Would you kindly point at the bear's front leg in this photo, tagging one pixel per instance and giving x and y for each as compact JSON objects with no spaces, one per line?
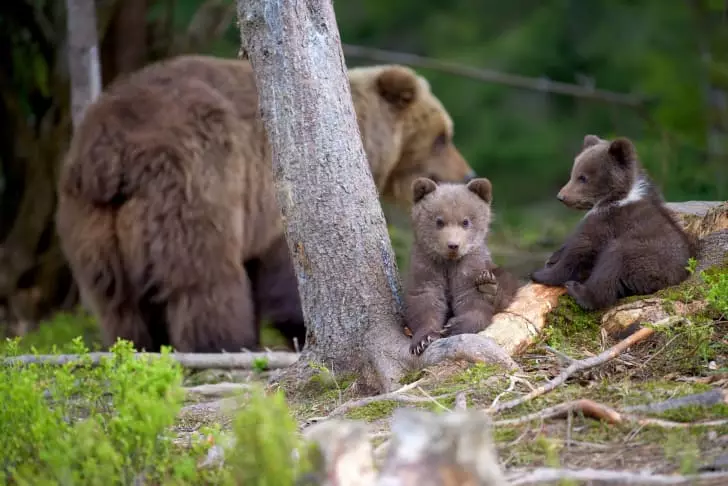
{"x":572,"y":259}
{"x":425,"y":316}
{"x":601,"y":289}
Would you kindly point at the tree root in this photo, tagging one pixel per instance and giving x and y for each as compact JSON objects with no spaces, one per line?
{"x":473,"y":348}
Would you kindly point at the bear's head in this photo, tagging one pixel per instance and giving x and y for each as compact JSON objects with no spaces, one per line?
{"x":449,"y":220}
{"x":604,"y":173}
{"x":406,"y":131}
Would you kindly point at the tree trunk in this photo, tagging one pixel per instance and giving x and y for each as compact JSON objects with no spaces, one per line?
{"x":83,"y":56}
{"x":335,"y":227}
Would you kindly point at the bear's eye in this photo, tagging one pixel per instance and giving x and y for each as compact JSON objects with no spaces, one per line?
{"x":439,"y":222}
{"x":466,"y":223}
{"x":440,"y":141}
{"x":581,"y":178}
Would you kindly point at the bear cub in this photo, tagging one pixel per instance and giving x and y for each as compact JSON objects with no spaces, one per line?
{"x":449,"y":259}
{"x":628,"y":242}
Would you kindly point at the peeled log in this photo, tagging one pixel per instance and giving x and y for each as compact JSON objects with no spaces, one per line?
{"x":516,"y":328}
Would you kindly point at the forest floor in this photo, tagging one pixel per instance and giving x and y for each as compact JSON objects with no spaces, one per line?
{"x":686,"y":360}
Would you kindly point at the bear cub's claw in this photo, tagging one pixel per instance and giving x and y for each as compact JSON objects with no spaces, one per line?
{"x":487,"y":284}
{"x":420,"y":343}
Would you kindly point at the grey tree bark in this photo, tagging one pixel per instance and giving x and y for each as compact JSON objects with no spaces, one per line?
{"x":335,"y":227}
{"x":83,"y":56}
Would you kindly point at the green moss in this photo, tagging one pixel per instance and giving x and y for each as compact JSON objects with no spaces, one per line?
{"x":411,"y":377}
{"x":571,"y":328}
{"x":373,"y":411}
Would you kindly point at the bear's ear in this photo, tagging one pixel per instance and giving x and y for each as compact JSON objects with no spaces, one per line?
{"x":589,"y":141}
{"x":482,"y":188}
{"x":622,"y":151}
{"x":421,"y":187}
{"x":398,"y":86}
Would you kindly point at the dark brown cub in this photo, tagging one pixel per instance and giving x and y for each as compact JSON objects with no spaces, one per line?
{"x":628,"y":242}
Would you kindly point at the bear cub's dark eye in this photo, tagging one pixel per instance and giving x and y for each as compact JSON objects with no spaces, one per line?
{"x":466,"y":223}
{"x":440,"y":141}
{"x":581,"y":179}
{"x":439,"y":222}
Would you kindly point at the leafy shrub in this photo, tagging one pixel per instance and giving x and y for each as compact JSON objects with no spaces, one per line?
{"x":80,"y":424}
{"x":83,"y":424}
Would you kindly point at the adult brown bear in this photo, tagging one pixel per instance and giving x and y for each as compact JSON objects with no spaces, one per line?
{"x":167,"y":211}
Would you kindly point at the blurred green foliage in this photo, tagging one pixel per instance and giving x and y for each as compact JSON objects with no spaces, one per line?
{"x":525,"y":140}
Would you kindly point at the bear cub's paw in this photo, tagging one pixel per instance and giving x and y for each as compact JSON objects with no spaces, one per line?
{"x":487,"y":284}
{"x":580,"y":294}
{"x":422,"y":339}
{"x":461,"y":325}
{"x":543,"y":276}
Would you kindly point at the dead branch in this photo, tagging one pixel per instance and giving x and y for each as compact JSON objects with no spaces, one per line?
{"x":197,"y":361}
{"x":450,"y":448}
{"x":216,"y":389}
{"x":706,"y":399}
{"x":491,"y":76}
{"x":598,"y":411}
{"x":549,"y":475}
{"x":583,"y":364}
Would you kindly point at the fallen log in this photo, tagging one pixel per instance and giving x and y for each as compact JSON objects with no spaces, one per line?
{"x":198,"y":361}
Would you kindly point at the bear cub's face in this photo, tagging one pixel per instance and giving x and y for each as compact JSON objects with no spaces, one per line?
{"x":449,"y":219}
{"x":603,"y":172}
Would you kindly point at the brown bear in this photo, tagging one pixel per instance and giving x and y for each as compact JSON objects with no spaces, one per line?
{"x":628,"y":242}
{"x":167,"y":211}
{"x":449,"y":255}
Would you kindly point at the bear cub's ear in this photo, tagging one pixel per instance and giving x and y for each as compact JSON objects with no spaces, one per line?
{"x":421,"y":187}
{"x":482,"y":188}
{"x":590,"y":140}
{"x":397,"y":85}
{"x":622,"y":151}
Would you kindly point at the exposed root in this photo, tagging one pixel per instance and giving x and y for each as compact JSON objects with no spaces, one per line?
{"x":469,"y":347}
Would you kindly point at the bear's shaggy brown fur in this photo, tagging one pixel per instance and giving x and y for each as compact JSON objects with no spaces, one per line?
{"x":628,"y":243}
{"x":167,"y":210}
{"x":449,"y":253}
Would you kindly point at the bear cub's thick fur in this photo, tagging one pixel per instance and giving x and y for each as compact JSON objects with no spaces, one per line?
{"x":449,"y":255}
{"x":628,"y":243}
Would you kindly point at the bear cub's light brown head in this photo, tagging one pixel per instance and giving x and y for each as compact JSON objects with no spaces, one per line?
{"x":450,"y":220}
{"x":605,"y":173}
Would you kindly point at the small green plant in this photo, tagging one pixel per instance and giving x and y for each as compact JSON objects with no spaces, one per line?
{"x":717,"y":293}
{"x":268,"y":450}
{"x":260,"y":364}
